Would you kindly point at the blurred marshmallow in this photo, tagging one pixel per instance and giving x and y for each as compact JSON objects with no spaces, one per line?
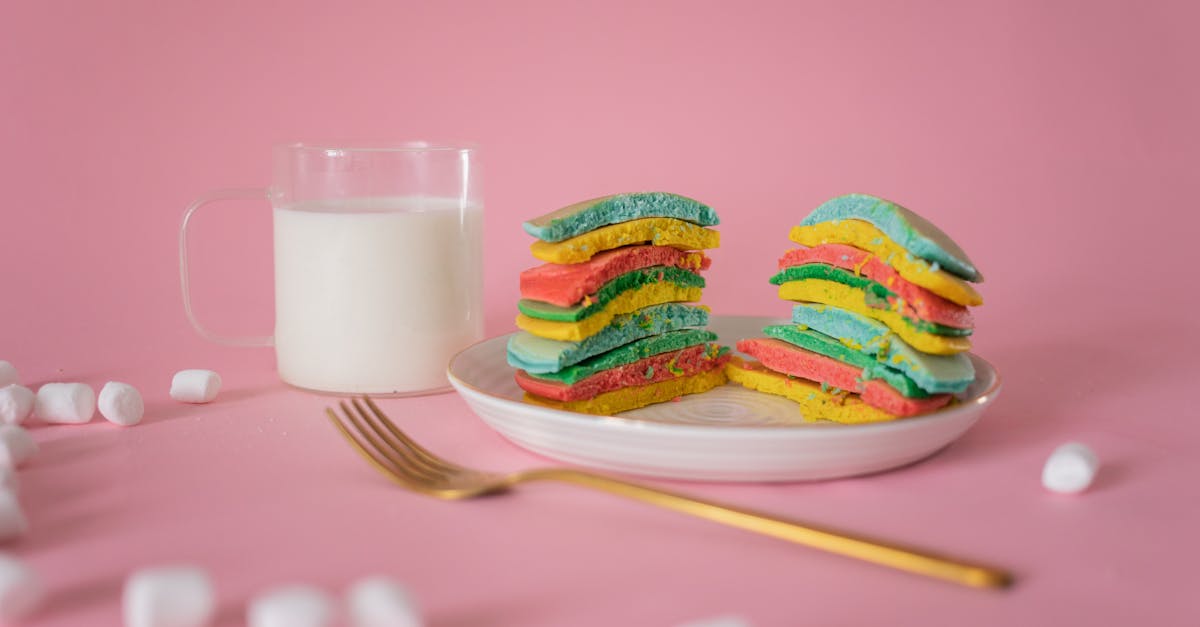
{"x":1070,"y":469}
{"x":16,"y":446}
{"x":21,"y":590}
{"x":168,"y":596}
{"x":195,"y":386}
{"x":12,"y":520}
{"x":121,"y":403}
{"x":381,"y":602}
{"x":8,"y":374}
{"x":291,"y":606}
{"x":8,"y":479}
{"x":69,"y":403}
{"x":16,"y":403}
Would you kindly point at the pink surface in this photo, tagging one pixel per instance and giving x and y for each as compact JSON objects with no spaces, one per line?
{"x":1047,"y":138}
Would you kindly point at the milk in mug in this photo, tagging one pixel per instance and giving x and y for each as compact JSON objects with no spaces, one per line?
{"x":375,"y":295}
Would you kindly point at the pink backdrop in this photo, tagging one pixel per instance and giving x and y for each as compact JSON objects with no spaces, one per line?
{"x":1053,"y":140}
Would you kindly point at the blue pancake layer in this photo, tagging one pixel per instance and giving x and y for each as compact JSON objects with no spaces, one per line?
{"x":586,"y":216}
{"x":538,"y":355}
{"x":912,"y":232}
{"x":933,"y":373}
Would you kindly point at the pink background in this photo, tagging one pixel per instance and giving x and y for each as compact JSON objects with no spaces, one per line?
{"x":1053,"y":140}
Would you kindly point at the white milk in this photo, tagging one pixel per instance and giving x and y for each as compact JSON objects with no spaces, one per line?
{"x":375,"y":295}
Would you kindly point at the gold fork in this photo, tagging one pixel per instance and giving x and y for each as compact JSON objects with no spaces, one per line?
{"x":412,"y":466}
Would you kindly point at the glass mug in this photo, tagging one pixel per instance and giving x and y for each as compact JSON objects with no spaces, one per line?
{"x":378,"y":264}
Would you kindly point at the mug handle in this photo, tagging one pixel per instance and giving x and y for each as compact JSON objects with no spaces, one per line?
{"x":220,"y":194}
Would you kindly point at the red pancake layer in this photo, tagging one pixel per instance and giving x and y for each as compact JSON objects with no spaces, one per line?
{"x":680,"y":363}
{"x":790,"y":359}
{"x":566,"y":285}
{"x":919,"y":302}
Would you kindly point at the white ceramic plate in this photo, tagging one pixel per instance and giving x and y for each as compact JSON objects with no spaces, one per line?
{"x":727,"y":434}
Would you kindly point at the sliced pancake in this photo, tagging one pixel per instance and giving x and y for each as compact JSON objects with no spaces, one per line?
{"x":625,"y":283}
{"x":629,"y":353}
{"x":628,"y":398}
{"x":933,"y":373}
{"x":866,"y":367}
{"x":626,"y":302}
{"x":877,"y":295}
{"x":567,"y":285}
{"x":865,"y":236}
{"x":655,"y":231}
{"x":815,"y":403}
{"x":540,"y":355}
{"x":910,"y":231}
{"x":581,"y":217}
{"x":925,"y":304}
{"x":855,"y":300}
{"x":789,"y":359}
{"x":644,"y":371}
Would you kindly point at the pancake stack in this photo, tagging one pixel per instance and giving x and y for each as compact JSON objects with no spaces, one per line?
{"x":880,"y":329}
{"x":606,"y":324}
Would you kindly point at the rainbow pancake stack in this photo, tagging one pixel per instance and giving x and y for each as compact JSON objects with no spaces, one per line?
{"x":605,"y":323}
{"x":880,"y":329}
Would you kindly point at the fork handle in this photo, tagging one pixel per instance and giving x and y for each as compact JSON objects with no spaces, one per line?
{"x":842,"y":543}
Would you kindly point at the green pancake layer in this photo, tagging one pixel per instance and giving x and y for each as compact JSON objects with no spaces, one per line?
{"x":877,"y":294}
{"x":623,"y":283}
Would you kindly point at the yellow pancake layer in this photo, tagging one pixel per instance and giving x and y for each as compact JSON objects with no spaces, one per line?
{"x":656,"y":231}
{"x":625,"y":399}
{"x":815,"y":404}
{"x":855,"y":300}
{"x":626,"y":302}
{"x":864,"y":236}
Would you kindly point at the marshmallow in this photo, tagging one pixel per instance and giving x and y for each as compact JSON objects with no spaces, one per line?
{"x":16,"y":403}
{"x":21,"y":590}
{"x":8,"y":374}
{"x":70,"y":403}
{"x":195,"y":386}
{"x":291,"y":606}
{"x":381,"y":602}
{"x":1070,"y":469}
{"x":121,"y":403}
{"x":16,"y":446}
{"x":8,"y":479}
{"x":168,"y":596}
{"x":12,"y":519}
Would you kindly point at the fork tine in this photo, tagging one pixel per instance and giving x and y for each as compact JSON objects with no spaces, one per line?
{"x":419,"y":451}
{"x":366,"y":453}
{"x":402,"y":460}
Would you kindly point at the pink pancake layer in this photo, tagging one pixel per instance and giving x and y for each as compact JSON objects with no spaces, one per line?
{"x":566,"y":285}
{"x":789,"y":359}
{"x":919,"y":302}
{"x":687,"y":361}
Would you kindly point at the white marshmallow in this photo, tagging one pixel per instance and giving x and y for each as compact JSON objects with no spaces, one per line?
{"x":195,"y":386}
{"x":16,"y":446}
{"x":8,"y":374}
{"x":21,"y":589}
{"x":12,"y":520}
{"x":168,"y":596}
{"x":8,"y":479}
{"x":1070,"y":469}
{"x":68,"y":403}
{"x":291,"y":606}
{"x":121,"y":403}
{"x":16,"y":403}
{"x":381,"y":602}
